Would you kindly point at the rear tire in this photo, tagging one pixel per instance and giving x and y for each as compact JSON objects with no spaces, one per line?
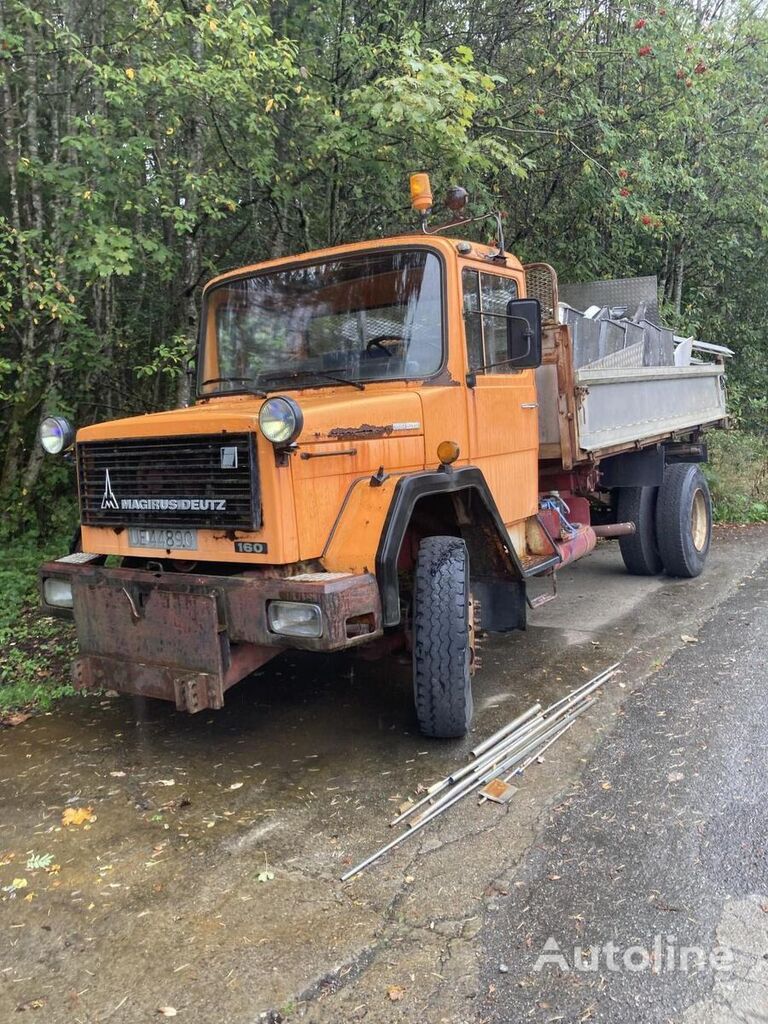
{"x":640,"y":551}
{"x":684,"y":520}
{"x":441,"y":638}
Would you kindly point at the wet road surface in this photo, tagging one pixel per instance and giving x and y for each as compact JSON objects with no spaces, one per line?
{"x":207,"y":879}
{"x":661,"y":845}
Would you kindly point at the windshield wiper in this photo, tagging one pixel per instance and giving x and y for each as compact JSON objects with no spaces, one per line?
{"x":235,"y":380}
{"x":295,"y":374}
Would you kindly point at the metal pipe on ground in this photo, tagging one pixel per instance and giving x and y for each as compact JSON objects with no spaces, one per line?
{"x":474,"y":783}
{"x":504,"y":731}
{"x":537,"y":753}
{"x":472,"y":766}
{"x":507,"y":739}
{"x":496,"y":770}
{"x":592,"y":684}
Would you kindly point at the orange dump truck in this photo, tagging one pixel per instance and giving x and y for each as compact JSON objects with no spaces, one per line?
{"x":389,"y":441}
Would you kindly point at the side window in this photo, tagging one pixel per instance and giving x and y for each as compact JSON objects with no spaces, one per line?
{"x":473,"y":327}
{"x":485,"y":318}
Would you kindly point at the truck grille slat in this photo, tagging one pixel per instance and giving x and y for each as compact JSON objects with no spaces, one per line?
{"x":191,"y":481}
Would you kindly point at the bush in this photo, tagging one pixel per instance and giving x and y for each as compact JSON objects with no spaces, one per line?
{"x":738,"y":476}
{"x":36,"y":651}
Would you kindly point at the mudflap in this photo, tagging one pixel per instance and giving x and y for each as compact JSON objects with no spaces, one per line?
{"x":185,"y":654}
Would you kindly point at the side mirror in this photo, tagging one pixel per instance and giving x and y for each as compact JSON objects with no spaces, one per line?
{"x":524,"y":332}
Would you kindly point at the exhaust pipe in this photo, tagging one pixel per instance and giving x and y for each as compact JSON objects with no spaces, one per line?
{"x":611,"y":530}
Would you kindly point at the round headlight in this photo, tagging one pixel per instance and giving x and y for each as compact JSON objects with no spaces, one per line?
{"x":56,"y":434}
{"x":281,"y":420}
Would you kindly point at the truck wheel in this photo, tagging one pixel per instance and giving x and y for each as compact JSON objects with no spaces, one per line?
{"x":640,"y":551}
{"x":684,"y":520}
{"x":441,"y":638}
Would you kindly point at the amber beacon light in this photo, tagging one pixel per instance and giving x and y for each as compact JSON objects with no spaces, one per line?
{"x":421,"y":193}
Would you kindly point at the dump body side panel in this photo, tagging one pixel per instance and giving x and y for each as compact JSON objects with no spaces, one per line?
{"x":623,"y":407}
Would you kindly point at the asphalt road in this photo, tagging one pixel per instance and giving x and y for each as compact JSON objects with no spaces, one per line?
{"x":662,"y":845}
{"x":193,"y":862}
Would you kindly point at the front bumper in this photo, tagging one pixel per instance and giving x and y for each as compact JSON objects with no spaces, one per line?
{"x":188,"y":637}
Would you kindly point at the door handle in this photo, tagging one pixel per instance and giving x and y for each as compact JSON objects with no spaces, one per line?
{"x":529,"y":405}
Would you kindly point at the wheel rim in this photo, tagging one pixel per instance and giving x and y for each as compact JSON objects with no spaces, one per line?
{"x":699,"y":521}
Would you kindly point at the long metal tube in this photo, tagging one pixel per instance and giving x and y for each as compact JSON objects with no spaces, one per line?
{"x":471,"y":766}
{"x":464,"y":789}
{"x":582,"y":691}
{"x":490,"y":764}
{"x":504,"y":745}
{"x":523,"y":725}
{"x":504,"y":731}
{"x":494,"y":770}
{"x":537,"y":753}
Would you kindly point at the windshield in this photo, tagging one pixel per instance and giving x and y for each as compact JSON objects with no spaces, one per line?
{"x":374,"y":316}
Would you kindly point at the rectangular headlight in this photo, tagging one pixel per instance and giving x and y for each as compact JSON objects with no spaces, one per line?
{"x":294,"y":618}
{"x":58,"y":593}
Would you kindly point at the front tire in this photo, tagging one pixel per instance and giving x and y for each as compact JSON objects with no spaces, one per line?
{"x":441,"y":638}
{"x":684,"y":520}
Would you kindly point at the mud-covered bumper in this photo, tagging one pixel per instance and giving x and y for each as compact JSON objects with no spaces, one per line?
{"x":187,"y":637}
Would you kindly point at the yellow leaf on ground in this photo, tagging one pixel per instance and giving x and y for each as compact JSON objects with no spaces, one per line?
{"x":15,"y":718}
{"x":77,"y":816}
{"x":395,"y":993}
{"x":19,"y":883}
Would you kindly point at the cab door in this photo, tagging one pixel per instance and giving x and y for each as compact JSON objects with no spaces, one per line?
{"x":501,"y":398}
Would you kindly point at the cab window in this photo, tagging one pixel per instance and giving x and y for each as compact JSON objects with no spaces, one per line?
{"x":486,"y":297}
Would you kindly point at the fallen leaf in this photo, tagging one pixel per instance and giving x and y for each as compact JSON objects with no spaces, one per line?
{"x":167,"y":1011}
{"x":395,"y":993}
{"x":688,"y":639}
{"x":265,"y":876}
{"x":17,"y":883}
{"x":36,"y":861}
{"x":77,"y":816}
{"x":606,"y":785}
{"x":33,"y":1004}
{"x":236,"y":785}
{"x":15,"y":718}
{"x":117,"y":775}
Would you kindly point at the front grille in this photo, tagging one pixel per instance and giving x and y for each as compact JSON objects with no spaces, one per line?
{"x":204,"y":480}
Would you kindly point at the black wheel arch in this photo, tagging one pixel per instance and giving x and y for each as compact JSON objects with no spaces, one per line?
{"x":492,"y":557}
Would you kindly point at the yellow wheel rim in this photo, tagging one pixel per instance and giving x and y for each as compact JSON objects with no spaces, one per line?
{"x":699,"y":521}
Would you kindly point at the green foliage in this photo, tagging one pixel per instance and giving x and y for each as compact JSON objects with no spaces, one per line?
{"x":147,"y":146}
{"x":34,"y":670}
{"x":738,"y":476}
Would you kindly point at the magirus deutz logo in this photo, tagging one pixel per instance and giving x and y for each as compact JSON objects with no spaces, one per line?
{"x":109,"y":501}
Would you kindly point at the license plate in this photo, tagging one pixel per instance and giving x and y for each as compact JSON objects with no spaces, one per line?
{"x":166,"y":538}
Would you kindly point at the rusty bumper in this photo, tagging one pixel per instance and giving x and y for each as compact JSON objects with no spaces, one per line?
{"x":188,"y":637}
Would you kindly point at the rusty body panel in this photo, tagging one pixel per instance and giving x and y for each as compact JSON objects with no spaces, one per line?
{"x":188,"y":637}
